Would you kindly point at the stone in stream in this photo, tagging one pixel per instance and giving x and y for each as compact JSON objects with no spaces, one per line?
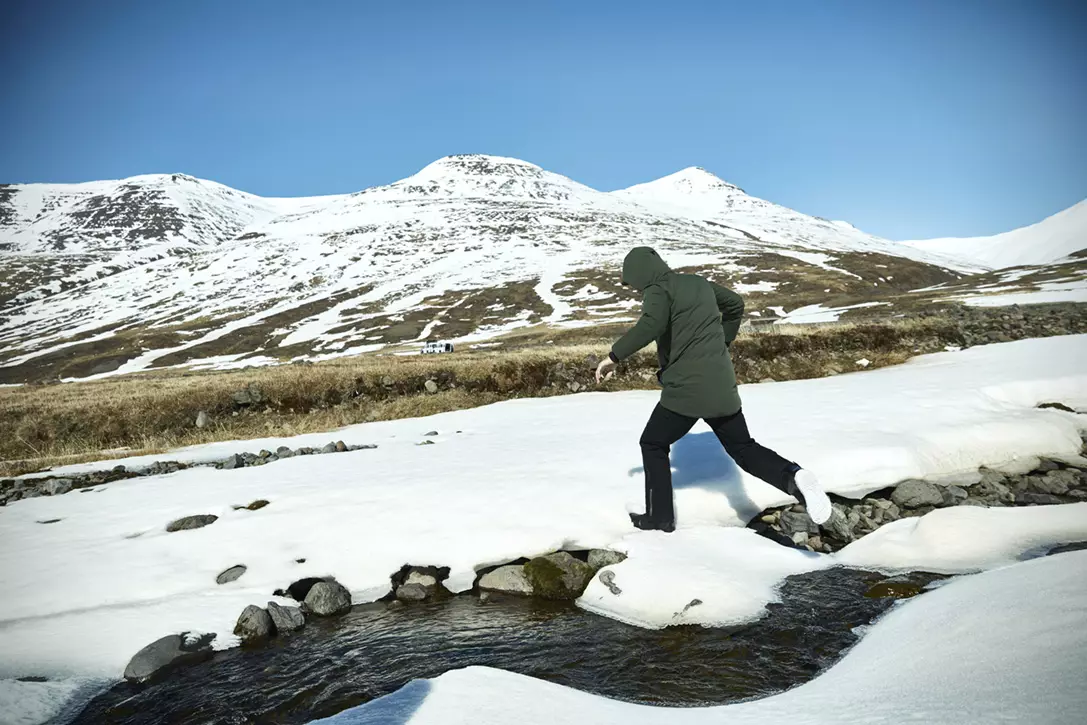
{"x":191,"y":522}
{"x":285,"y":619}
{"x":915,"y":494}
{"x":253,"y":624}
{"x":327,"y":599}
{"x":231,"y":574}
{"x":510,"y":579}
{"x":600,"y":558}
{"x":558,"y":576}
{"x":168,"y":653}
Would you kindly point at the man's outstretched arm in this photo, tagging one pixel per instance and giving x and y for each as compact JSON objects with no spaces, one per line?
{"x":731,"y":306}
{"x":650,"y":326}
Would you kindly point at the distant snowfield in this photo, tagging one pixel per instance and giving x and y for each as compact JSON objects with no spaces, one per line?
{"x":1047,"y":292}
{"x":1009,"y":645}
{"x":526,"y":477}
{"x":1053,"y":238}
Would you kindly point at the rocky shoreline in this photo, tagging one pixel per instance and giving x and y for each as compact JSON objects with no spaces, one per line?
{"x":16,"y":489}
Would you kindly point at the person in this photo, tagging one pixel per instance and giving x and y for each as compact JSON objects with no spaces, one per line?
{"x":694,"y":321}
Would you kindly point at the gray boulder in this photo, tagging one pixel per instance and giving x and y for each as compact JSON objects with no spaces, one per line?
{"x":1056,"y":482}
{"x":285,"y":619}
{"x":412,"y":592}
{"x":327,"y":599}
{"x":600,"y":558}
{"x":165,"y":654}
{"x":191,"y":522}
{"x":954,"y":495}
{"x":1031,"y":498}
{"x":794,"y":522}
{"x":201,"y":419}
{"x":915,"y":494}
{"x":510,"y":579}
{"x":284,"y":452}
{"x":254,"y":623}
{"x":839,"y":525}
{"x":231,"y":574}
{"x":328,"y":448}
{"x":56,"y":486}
{"x":558,"y":576}
{"x":233,"y":461}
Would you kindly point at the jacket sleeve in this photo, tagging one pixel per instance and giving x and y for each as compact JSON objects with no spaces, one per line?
{"x":651,"y":325}
{"x":731,"y":306}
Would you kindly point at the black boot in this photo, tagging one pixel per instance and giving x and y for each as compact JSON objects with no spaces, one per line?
{"x":643,"y":522}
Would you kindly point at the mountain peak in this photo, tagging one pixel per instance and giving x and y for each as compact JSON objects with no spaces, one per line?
{"x":477,"y":165}
{"x":696,"y":179}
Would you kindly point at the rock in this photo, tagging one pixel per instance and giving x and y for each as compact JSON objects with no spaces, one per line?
{"x":328,"y":598}
{"x":387,"y":381}
{"x":231,"y":574}
{"x":341,"y":447}
{"x":894,"y":589}
{"x":56,"y":486}
{"x":838,"y":525}
{"x":1031,"y":498}
{"x":234,"y":461}
{"x":792,"y":522}
{"x":992,"y":490}
{"x":264,"y":453}
{"x":510,"y":579}
{"x":915,"y":494}
{"x":165,"y":654}
{"x":431,"y":433}
{"x":284,"y":452}
{"x":815,"y":543}
{"x":607,"y":578}
{"x":1056,"y":482}
{"x":427,"y":442}
{"x":954,"y":495}
{"x":328,"y":448}
{"x":285,"y":619}
{"x":600,"y":558}
{"x":201,"y":419}
{"x":1047,"y":464}
{"x":558,"y":576}
{"x":253,"y":624}
{"x":256,"y":505}
{"x":431,"y":386}
{"x":421,"y":578}
{"x":412,"y":592}
{"x":191,"y":522}
{"x":800,"y":538}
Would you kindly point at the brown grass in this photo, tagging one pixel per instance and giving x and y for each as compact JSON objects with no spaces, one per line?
{"x":148,"y":413}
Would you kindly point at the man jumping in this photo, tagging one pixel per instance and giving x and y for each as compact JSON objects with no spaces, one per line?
{"x":693,"y":322}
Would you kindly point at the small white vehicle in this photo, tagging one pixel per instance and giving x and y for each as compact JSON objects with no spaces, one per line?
{"x":437,"y":347}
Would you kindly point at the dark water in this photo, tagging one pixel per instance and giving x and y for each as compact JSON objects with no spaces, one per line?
{"x":332,"y":665}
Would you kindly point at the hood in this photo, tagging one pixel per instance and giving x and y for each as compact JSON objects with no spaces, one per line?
{"x":642,"y":267}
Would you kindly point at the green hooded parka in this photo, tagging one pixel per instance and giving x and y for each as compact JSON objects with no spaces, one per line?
{"x":693,"y":322}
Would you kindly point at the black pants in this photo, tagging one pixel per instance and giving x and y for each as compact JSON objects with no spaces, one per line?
{"x":666,"y":427}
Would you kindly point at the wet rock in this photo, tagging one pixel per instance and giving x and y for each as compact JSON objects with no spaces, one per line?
{"x":600,"y":558}
{"x":202,"y":419}
{"x":253,"y":624}
{"x":510,"y":579}
{"x":234,"y":461}
{"x":168,"y":653}
{"x":412,"y":592}
{"x":231,"y":574}
{"x":327,"y":599}
{"x":558,"y":576}
{"x":191,"y":522}
{"x":285,"y":619}
{"x":915,"y":494}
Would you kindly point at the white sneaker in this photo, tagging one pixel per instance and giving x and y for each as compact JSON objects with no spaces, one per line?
{"x":812,"y":495}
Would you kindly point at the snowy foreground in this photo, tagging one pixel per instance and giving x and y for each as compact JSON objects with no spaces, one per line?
{"x":525,"y":477}
{"x":1009,"y":645}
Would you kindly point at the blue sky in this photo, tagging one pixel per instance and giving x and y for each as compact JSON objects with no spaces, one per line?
{"x":909,"y":119}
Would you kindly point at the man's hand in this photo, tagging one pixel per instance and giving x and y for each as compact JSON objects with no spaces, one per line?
{"x":605,"y":370}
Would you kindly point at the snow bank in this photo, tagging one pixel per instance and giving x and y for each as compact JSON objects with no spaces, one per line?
{"x":32,"y":703}
{"x":1009,"y":645}
{"x":729,"y":575}
{"x":967,"y":538}
{"x":1047,"y":293}
{"x":514,"y":479}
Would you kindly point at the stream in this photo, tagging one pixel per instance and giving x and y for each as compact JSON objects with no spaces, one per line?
{"x":332,"y":665}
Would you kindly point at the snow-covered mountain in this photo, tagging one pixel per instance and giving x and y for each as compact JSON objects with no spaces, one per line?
{"x":168,"y":270}
{"x":1054,"y":238}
